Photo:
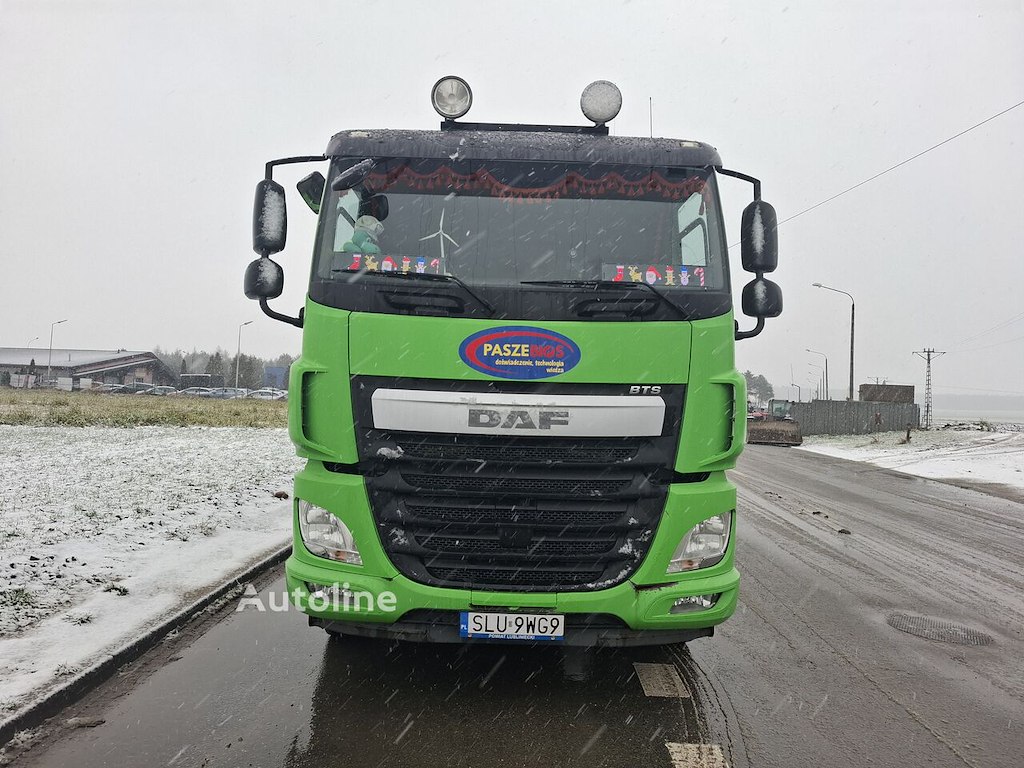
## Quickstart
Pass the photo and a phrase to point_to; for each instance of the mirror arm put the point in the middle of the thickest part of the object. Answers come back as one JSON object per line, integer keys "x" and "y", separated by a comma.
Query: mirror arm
{"x": 738, "y": 175}
{"x": 752, "y": 332}
{"x": 296, "y": 321}
{"x": 269, "y": 172}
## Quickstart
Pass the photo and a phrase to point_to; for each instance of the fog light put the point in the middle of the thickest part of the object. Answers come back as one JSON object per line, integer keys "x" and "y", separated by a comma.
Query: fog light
{"x": 451, "y": 97}
{"x": 331, "y": 593}
{"x": 694, "y": 603}
{"x": 601, "y": 101}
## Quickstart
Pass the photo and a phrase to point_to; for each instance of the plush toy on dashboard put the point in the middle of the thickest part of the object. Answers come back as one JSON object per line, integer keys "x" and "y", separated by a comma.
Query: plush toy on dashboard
{"x": 364, "y": 237}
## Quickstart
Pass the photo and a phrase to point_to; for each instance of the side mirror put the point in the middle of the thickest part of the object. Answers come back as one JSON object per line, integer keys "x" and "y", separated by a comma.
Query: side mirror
{"x": 311, "y": 188}
{"x": 264, "y": 279}
{"x": 762, "y": 298}
{"x": 759, "y": 238}
{"x": 269, "y": 218}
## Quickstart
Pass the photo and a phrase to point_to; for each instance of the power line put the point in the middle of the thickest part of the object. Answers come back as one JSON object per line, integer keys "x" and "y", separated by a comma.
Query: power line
{"x": 902, "y": 162}
{"x": 987, "y": 331}
{"x": 987, "y": 346}
{"x": 979, "y": 389}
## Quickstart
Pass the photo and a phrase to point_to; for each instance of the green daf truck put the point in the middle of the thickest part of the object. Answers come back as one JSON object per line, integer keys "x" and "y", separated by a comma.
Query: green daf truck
{"x": 516, "y": 398}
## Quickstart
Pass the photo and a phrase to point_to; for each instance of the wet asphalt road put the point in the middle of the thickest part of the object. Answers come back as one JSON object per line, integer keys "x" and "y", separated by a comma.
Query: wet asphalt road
{"x": 807, "y": 673}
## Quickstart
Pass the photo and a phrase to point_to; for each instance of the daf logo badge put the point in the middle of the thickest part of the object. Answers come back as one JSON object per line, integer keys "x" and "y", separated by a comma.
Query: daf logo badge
{"x": 516, "y": 419}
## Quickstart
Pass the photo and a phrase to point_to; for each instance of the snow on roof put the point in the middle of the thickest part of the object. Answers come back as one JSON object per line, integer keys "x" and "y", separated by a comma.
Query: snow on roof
{"x": 65, "y": 358}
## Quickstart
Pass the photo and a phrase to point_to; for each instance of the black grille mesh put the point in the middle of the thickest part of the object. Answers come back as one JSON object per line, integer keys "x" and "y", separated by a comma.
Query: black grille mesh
{"x": 523, "y": 485}
{"x": 519, "y": 454}
{"x": 544, "y": 547}
{"x": 553, "y": 517}
{"x": 516, "y": 577}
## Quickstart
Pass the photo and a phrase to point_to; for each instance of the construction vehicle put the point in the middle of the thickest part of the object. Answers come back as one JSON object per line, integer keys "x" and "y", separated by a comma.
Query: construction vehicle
{"x": 517, "y": 395}
{"x": 775, "y": 425}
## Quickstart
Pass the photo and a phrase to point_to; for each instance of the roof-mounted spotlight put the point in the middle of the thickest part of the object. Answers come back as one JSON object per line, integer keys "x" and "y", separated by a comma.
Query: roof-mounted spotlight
{"x": 601, "y": 101}
{"x": 451, "y": 97}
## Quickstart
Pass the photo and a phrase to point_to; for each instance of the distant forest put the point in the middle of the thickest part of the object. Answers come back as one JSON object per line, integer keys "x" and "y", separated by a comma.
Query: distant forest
{"x": 759, "y": 389}
{"x": 222, "y": 363}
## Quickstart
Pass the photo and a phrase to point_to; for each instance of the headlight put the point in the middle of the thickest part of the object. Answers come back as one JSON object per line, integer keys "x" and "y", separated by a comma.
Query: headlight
{"x": 326, "y": 536}
{"x": 703, "y": 545}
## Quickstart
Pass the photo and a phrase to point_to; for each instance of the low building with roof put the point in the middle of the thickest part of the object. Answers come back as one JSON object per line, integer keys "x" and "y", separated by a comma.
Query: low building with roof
{"x": 102, "y": 366}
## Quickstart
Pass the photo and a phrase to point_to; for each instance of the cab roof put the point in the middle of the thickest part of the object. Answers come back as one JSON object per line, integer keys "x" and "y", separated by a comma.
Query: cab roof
{"x": 529, "y": 145}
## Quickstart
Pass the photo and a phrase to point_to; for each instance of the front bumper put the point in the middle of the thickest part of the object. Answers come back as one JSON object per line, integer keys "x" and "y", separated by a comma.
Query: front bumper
{"x": 634, "y": 612}
{"x": 627, "y": 614}
{"x": 587, "y": 630}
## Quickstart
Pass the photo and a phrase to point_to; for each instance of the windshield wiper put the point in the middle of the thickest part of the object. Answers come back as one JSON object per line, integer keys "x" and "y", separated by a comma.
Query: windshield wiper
{"x": 429, "y": 277}
{"x": 613, "y": 284}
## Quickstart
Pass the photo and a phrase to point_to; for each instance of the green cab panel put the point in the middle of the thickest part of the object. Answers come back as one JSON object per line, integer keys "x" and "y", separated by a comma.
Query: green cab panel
{"x": 428, "y": 348}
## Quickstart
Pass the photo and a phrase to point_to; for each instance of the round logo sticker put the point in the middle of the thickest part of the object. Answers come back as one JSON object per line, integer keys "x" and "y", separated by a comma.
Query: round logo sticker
{"x": 520, "y": 352}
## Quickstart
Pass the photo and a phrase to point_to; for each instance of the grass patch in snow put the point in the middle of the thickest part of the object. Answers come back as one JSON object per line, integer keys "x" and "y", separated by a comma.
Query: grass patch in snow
{"x": 16, "y": 598}
{"x": 50, "y": 408}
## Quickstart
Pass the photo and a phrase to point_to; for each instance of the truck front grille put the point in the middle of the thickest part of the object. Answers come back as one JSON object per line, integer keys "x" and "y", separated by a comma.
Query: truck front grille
{"x": 503, "y": 513}
{"x": 523, "y": 528}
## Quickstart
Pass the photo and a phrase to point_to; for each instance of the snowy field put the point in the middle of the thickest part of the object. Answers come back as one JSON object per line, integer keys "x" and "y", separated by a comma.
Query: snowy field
{"x": 106, "y": 531}
{"x": 957, "y": 453}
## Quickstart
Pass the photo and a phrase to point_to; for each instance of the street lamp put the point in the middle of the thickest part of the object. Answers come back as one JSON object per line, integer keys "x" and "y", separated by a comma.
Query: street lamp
{"x": 853, "y": 314}
{"x": 815, "y": 352}
{"x": 238, "y": 353}
{"x": 49, "y": 356}
{"x": 821, "y": 380}
{"x": 813, "y": 382}
{"x": 799, "y": 392}
{"x": 29, "y": 345}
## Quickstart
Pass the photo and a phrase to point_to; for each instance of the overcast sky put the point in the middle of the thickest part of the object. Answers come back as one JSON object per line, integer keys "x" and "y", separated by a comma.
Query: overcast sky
{"x": 132, "y": 136}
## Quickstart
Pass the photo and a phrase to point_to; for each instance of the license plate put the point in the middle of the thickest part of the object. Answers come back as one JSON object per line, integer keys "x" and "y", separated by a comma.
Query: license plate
{"x": 512, "y": 626}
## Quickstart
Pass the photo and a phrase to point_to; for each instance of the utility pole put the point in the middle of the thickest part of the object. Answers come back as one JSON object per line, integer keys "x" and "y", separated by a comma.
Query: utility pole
{"x": 49, "y": 355}
{"x": 238, "y": 352}
{"x": 815, "y": 352}
{"x": 853, "y": 316}
{"x": 927, "y": 355}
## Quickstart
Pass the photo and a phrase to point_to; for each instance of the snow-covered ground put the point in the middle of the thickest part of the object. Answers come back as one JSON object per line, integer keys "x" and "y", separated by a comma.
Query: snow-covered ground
{"x": 959, "y": 452}
{"x": 105, "y": 531}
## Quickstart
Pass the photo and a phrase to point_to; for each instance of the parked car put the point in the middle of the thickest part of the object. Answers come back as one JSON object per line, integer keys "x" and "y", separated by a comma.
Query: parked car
{"x": 162, "y": 390}
{"x": 110, "y": 388}
{"x": 136, "y": 387}
{"x": 267, "y": 393}
{"x": 190, "y": 392}
{"x": 225, "y": 393}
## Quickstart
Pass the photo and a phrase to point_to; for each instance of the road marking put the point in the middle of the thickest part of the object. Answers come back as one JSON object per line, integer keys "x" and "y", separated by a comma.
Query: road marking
{"x": 696, "y": 755}
{"x": 660, "y": 680}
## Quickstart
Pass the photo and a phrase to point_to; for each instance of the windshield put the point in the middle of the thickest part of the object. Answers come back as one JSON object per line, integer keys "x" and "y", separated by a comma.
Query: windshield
{"x": 497, "y": 225}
